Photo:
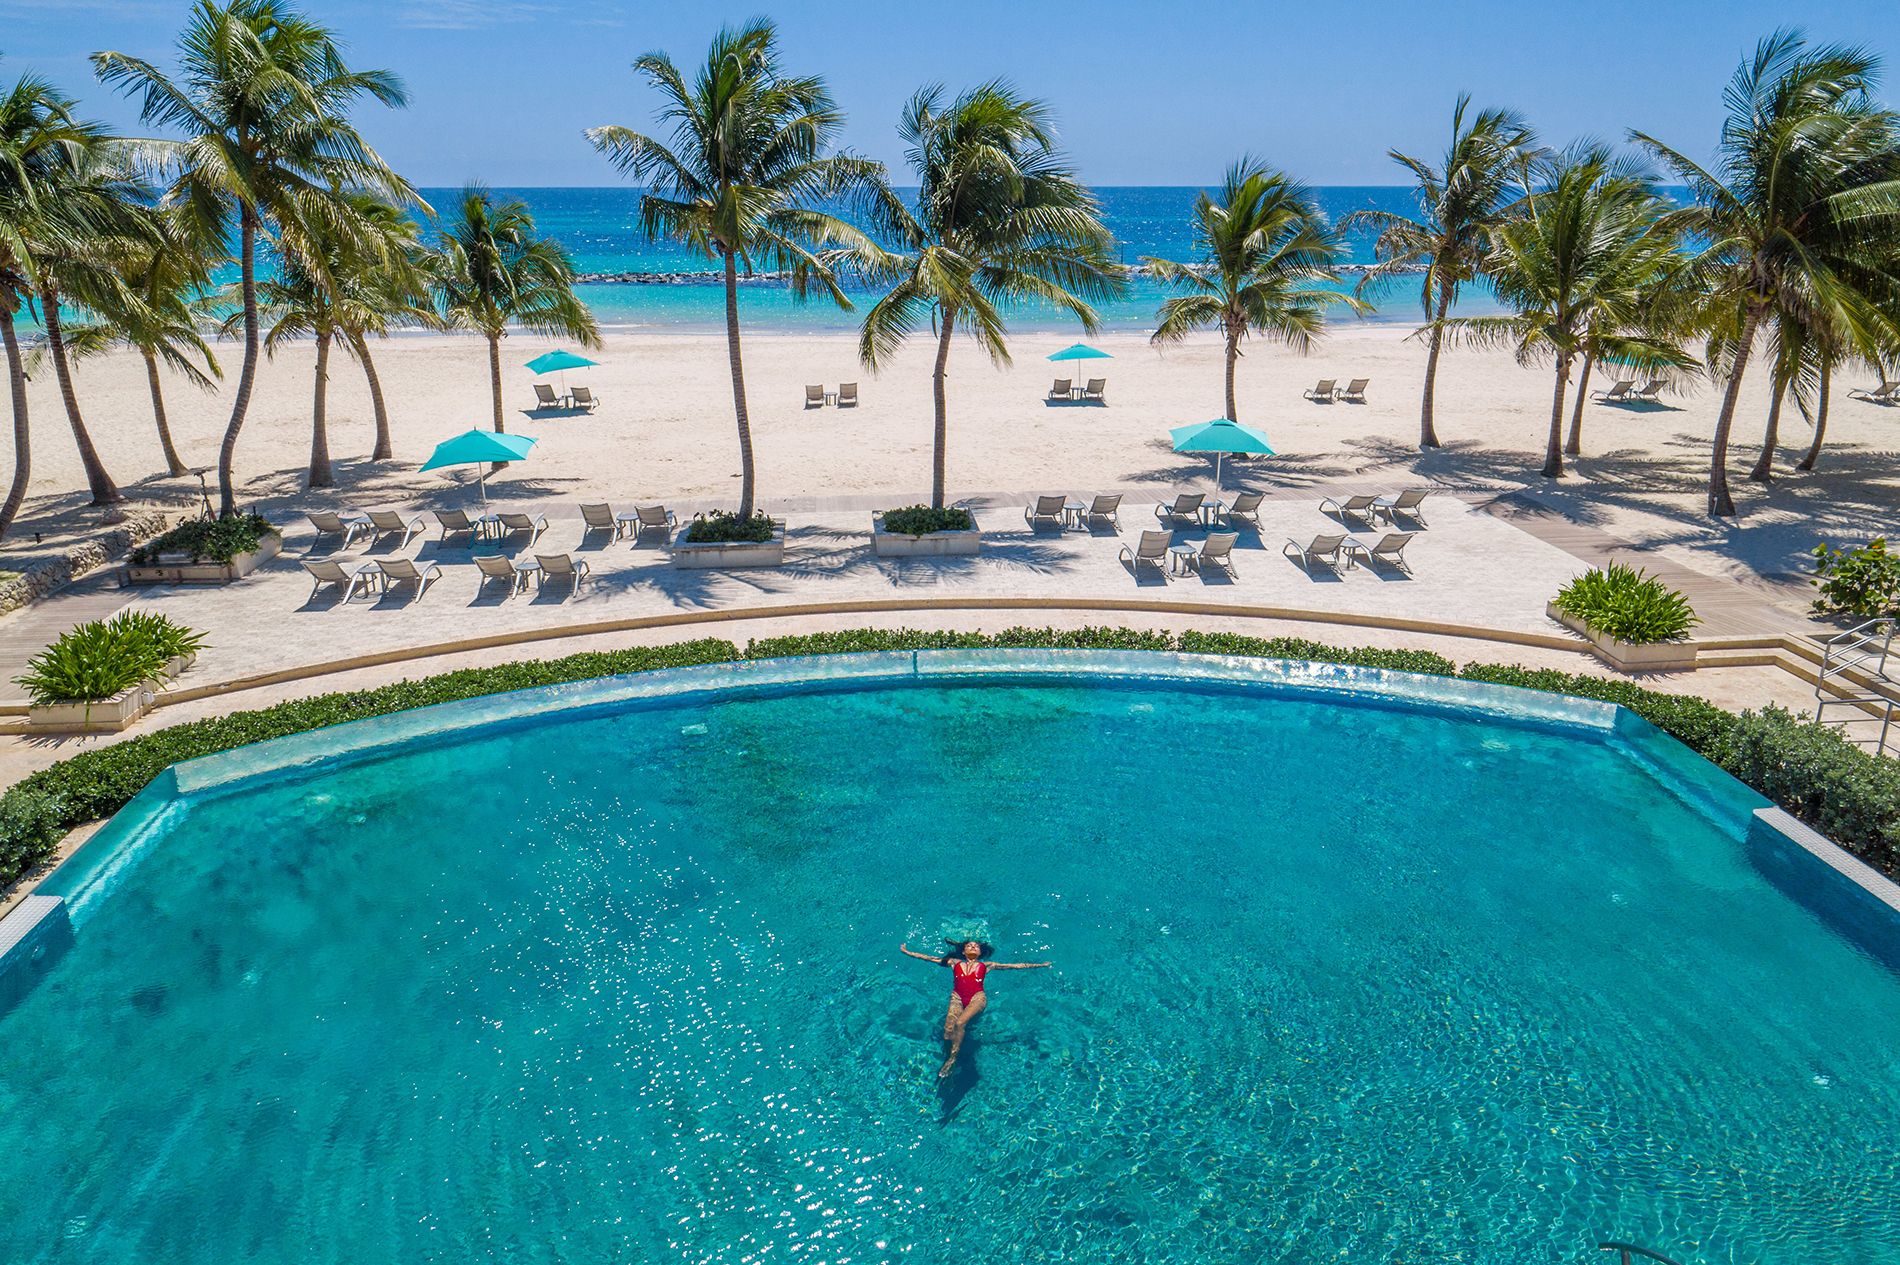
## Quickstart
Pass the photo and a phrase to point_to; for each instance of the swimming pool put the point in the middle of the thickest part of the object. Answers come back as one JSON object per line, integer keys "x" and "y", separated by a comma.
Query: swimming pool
{"x": 1348, "y": 967}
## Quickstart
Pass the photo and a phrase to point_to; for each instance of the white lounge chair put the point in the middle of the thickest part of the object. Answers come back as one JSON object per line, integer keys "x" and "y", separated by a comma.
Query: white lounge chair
{"x": 1187, "y": 505}
{"x": 1245, "y": 505}
{"x": 1406, "y": 502}
{"x": 1619, "y": 391}
{"x": 1358, "y": 505}
{"x": 330, "y": 523}
{"x": 560, "y": 566}
{"x": 544, "y": 397}
{"x": 349, "y": 574}
{"x": 1096, "y": 389}
{"x": 655, "y": 516}
{"x": 1327, "y": 550}
{"x": 494, "y": 566}
{"x": 1323, "y": 393}
{"x": 847, "y": 395}
{"x": 405, "y": 571}
{"x": 1885, "y": 393}
{"x": 1052, "y": 508}
{"x": 533, "y": 524}
{"x": 815, "y": 396}
{"x": 456, "y": 521}
{"x": 1218, "y": 548}
{"x": 1107, "y": 505}
{"x": 1064, "y": 389}
{"x": 1152, "y": 549}
{"x": 390, "y": 523}
{"x": 1353, "y": 392}
{"x": 601, "y": 517}
{"x": 1388, "y": 548}
{"x": 1649, "y": 393}
{"x": 583, "y": 397}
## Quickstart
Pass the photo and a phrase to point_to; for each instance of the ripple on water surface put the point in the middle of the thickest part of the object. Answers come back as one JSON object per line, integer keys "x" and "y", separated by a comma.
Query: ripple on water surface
{"x": 1332, "y": 983}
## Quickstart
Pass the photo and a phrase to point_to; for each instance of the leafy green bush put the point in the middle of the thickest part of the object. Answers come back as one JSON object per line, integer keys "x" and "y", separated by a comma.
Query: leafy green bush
{"x": 720, "y": 527}
{"x": 1863, "y": 582}
{"x": 921, "y": 520}
{"x": 1628, "y": 604}
{"x": 219, "y": 540}
{"x": 97, "y": 660}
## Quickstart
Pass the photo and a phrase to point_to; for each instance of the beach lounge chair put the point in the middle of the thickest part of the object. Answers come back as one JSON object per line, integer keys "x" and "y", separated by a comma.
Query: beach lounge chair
{"x": 1246, "y": 505}
{"x": 1327, "y": 550}
{"x": 602, "y": 518}
{"x": 1186, "y": 505}
{"x": 1218, "y": 548}
{"x": 1109, "y": 506}
{"x": 1406, "y": 502}
{"x": 390, "y": 523}
{"x": 330, "y": 523}
{"x": 533, "y": 524}
{"x": 1064, "y": 389}
{"x": 1618, "y": 392}
{"x": 1097, "y": 390}
{"x": 1152, "y": 549}
{"x": 560, "y": 566}
{"x": 1354, "y": 392}
{"x": 1388, "y": 548}
{"x": 1649, "y": 393}
{"x": 1885, "y": 393}
{"x": 405, "y": 571}
{"x": 847, "y": 395}
{"x": 815, "y": 396}
{"x": 582, "y": 397}
{"x": 1359, "y": 505}
{"x": 1054, "y": 508}
{"x": 655, "y": 516}
{"x": 544, "y": 397}
{"x": 1323, "y": 393}
{"x": 456, "y": 521}
{"x": 349, "y": 574}
{"x": 494, "y": 566}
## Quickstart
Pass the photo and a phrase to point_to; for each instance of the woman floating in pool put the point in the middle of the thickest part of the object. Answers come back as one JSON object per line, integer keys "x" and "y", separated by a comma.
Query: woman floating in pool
{"x": 967, "y": 997}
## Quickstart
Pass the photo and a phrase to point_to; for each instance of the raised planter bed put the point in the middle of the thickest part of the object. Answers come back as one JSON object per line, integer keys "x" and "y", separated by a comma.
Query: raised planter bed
{"x": 180, "y": 569}
{"x": 107, "y": 715}
{"x": 936, "y": 544}
{"x": 1627, "y": 656}
{"x": 726, "y": 554}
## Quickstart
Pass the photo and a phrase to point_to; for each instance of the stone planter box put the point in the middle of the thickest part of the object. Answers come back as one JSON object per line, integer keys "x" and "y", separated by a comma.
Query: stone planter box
{"x": 109, "y": 715}
{"x": 180, "y": 569}
{"x": 1625, "y": 656}
{"x": 737, "y": 553}
{"x": 936, "y": 544}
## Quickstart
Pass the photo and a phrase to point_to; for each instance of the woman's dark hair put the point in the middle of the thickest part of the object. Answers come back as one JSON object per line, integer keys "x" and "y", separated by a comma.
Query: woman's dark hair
{"x": 983, "y": 948}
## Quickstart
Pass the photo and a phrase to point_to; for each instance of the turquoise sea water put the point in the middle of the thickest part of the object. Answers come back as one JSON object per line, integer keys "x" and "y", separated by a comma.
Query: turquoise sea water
{"x": 1333, "y": 983}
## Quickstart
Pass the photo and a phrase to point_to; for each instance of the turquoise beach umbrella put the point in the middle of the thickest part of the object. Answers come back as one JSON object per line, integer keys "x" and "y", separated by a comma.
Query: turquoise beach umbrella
{"x": 478, "y": 448}
{"x": 1220, "y": 437}
{"x": 556, "y": 360}
{"x": 1082, "y": 351}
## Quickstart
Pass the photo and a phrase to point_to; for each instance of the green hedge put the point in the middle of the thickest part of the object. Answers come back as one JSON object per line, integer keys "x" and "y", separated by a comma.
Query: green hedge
{"x": 1816, "y": 774}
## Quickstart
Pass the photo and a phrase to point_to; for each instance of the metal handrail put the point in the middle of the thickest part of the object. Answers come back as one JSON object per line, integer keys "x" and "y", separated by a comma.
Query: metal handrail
{"x": 1631, "y": 1249}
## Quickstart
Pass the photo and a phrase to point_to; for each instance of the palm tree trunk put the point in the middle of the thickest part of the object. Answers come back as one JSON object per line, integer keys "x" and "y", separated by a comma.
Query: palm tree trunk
{"x": 738, "y": 386}
{"x": 320, "y": 474}
{"x": 1553, "y": 449}
{"x": 384, "y": 448}
{"x": 247, "y": 376}
{"x": 1573, "y": 446}
{"x": 1233, "y": 355}
{"x": 1721, "y": 504}
{"x": 16, "y": 379}
{"x": 1764, "y": 469}
{"x": 941, "y": 437}
{"x": 494, "y": 390}
{"x": 174, "y": 464}
{"x": 104, "y": 490}
{"x": 1820, "y": 418}
{"x": 1427, "y": 433}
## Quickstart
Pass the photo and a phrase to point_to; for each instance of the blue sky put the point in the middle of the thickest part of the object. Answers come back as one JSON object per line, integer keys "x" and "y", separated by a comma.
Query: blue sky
{"x": 1144, "y": 92}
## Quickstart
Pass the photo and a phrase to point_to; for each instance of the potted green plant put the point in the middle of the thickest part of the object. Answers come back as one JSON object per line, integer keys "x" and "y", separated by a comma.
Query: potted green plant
{"x": 920, "y": 531}
{"x": 722, "y": 540}
{"x": 1634, "y": 621}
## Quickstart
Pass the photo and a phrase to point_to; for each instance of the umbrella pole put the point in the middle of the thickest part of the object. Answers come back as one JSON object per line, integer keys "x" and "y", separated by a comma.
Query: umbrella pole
{"x": 481, "y": 481}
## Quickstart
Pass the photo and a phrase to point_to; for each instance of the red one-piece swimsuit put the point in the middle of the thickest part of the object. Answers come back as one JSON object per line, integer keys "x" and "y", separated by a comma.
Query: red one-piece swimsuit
{"x": 970, "y": 984}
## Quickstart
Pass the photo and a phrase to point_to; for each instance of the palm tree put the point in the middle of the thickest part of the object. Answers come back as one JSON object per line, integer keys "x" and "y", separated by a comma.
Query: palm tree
{"x": 1462, "y": 201}
{"x": 261, "y": 97}
{"x": 41, "y": 147}
{"x": 743, "y": 179}
{"x": 1267, "y": 255}
{"x": 999, "y": 219}
{"x": 385, "y": 286}
{"x": 493, "y": 270}
{"x": 299, "y": 303}
{"x": 1803, "y": 168}
{"x": 1661, "y": 314}
{"x": 1577, "y": 266}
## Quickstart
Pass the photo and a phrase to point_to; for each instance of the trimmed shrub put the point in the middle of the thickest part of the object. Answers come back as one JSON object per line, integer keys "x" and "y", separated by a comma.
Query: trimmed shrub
{"x": 1628, "y": 604}
{"x": 215, "y": 540}
{"x": 721, "y": 528}
{"x": 1863, "y": 582}
{"x": 921, "y": 520}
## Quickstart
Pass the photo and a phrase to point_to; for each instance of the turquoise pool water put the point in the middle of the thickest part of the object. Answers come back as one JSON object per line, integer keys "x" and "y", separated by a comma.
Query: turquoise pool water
{"x": 1335, "y": 982}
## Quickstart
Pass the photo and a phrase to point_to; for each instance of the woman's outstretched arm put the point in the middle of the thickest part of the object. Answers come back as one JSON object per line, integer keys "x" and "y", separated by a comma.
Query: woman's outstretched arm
{"x": 909, "y": 952}
{"x": 1019, "y": 966}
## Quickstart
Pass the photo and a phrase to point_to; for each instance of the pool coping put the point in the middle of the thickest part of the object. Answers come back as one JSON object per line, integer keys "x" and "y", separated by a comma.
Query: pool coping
{"x": 83, "y": 877}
